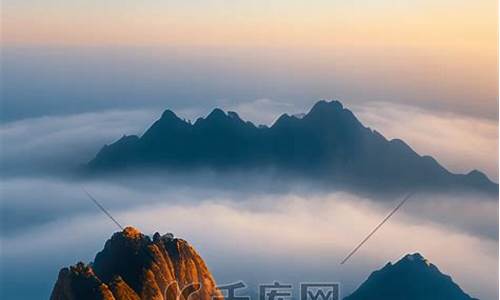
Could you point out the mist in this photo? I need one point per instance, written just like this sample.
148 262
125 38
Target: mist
61 80
52 144
254 237
254 227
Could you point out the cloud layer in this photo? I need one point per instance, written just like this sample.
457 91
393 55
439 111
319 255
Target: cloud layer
61 143
257 238
252 227
458 142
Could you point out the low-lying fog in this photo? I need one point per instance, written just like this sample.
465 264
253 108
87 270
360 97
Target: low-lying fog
249 227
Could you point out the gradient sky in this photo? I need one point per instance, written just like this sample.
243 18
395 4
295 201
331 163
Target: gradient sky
441 55
465 25
438 58
79 74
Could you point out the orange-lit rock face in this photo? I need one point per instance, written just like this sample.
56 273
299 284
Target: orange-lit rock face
132 266
132 233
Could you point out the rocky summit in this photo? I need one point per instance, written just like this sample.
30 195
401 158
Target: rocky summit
412 278
133 266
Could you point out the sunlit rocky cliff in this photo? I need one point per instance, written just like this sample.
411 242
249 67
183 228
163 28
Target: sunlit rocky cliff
132 266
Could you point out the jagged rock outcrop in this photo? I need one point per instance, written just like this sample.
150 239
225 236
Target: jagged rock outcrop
132 266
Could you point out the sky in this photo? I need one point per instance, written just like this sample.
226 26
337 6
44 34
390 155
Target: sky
76 75
421 24
74 56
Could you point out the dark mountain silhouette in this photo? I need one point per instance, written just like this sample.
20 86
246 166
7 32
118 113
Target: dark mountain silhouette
132 266
411 278
328 143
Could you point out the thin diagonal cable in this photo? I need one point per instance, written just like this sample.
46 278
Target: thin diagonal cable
376 228
114 220
103 209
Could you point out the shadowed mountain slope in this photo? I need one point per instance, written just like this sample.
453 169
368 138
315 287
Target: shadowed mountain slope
411 278
328 143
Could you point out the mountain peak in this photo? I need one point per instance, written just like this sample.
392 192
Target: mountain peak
334 116
217 113
324 106
411 278
168 114
218 117
132 233
282 119
132 266
478 176
328 104
328 142
415 258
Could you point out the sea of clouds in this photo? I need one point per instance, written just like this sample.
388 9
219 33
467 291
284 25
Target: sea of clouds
250 227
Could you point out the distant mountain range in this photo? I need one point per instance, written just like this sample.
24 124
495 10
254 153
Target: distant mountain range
328 143
411 278
132 267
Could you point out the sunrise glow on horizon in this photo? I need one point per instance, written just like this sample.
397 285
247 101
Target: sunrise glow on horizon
270 136
414 24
